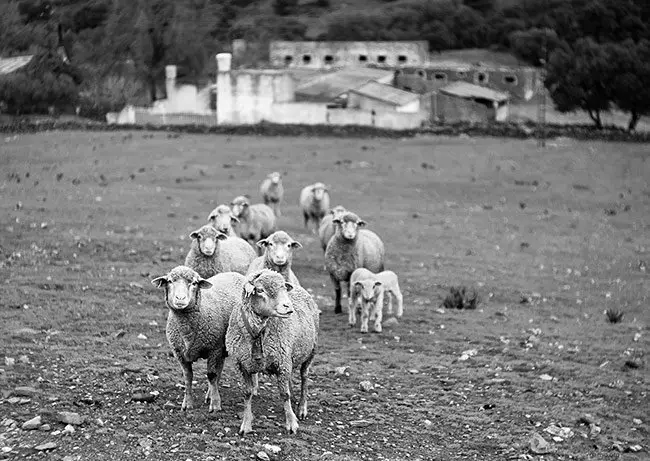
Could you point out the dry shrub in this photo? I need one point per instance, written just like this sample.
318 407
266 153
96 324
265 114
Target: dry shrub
461 298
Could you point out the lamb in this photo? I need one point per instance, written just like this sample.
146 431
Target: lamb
213 252
274 330
256 222
272 191
367 295
199 311
222 219
326 228
278 255
349 249
314 201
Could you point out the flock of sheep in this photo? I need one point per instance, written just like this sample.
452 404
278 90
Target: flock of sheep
236 294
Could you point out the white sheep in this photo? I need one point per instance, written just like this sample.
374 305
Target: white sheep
326 229
274 331
256 221
314 201
273 192
367 291
278 256
222 219
199 311
349 249
213 252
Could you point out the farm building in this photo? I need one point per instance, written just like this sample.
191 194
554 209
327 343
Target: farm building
375 96
519 82
332 86
323 55
466 102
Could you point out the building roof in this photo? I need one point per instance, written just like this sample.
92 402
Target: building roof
330 85
471 91
386 93
8 65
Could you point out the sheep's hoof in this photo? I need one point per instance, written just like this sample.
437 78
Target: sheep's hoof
377 328
292 428
364 331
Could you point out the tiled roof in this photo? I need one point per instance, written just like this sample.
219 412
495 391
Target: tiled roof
329 86
469 90
386 93
8 65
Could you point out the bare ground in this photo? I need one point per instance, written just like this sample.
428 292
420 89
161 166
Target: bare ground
550 239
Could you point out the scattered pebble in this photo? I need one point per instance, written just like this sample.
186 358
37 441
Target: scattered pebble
46 446
274 449
538 445
366 386
546 377
32 424
263 456
68 417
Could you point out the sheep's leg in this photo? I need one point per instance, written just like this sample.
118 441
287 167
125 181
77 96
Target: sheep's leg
352 312
390 303
337 293
365 316
378 310
188 400
306 216
215 367
247 419
400 303
304 377
256 383
284 385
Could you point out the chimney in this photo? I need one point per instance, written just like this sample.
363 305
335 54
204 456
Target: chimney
170 86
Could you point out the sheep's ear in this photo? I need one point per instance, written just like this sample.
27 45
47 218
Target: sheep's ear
262 243
288 286
326 188
337 220
160 282
295 245
211 217
361 223
377 284
247 196
358 284
221 236
194 235
249 290
204 284
234 218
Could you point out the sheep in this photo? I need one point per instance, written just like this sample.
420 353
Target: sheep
278 255
273 192
350 248
326 228
274 330
199 311
314 201
213 252
367 292
222 219
256 222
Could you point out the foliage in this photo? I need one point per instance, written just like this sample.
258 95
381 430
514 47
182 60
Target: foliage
284 7
535 45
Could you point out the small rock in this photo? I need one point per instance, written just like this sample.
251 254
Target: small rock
467 354
68 417
538 445
46 446
68 430
263 456
274 449
414 371
546 377
25 391
634 448
637 421
428 422
32 424
340 370
143 397
391 322
141 336
366 386
45 428
119 334
594 430
360 423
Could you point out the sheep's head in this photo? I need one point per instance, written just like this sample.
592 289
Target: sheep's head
240 205
275 177
337 211
368 289
348 224
207 238
269 294
182 286
318 191
279 248
222 219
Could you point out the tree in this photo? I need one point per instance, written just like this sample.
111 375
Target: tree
535 45
580 78
470 28
438 35
284 7
629 86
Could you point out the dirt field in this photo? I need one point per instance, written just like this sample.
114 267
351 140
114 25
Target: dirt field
550 239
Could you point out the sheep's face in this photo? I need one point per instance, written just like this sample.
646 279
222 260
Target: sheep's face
318 191
275 177
349 225
270 293
207 238
223 220
181 286
279 248
239 206
368 290
337 211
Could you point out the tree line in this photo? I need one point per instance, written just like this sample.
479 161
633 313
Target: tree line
595 51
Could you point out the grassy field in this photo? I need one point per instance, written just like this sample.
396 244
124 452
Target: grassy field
550 239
